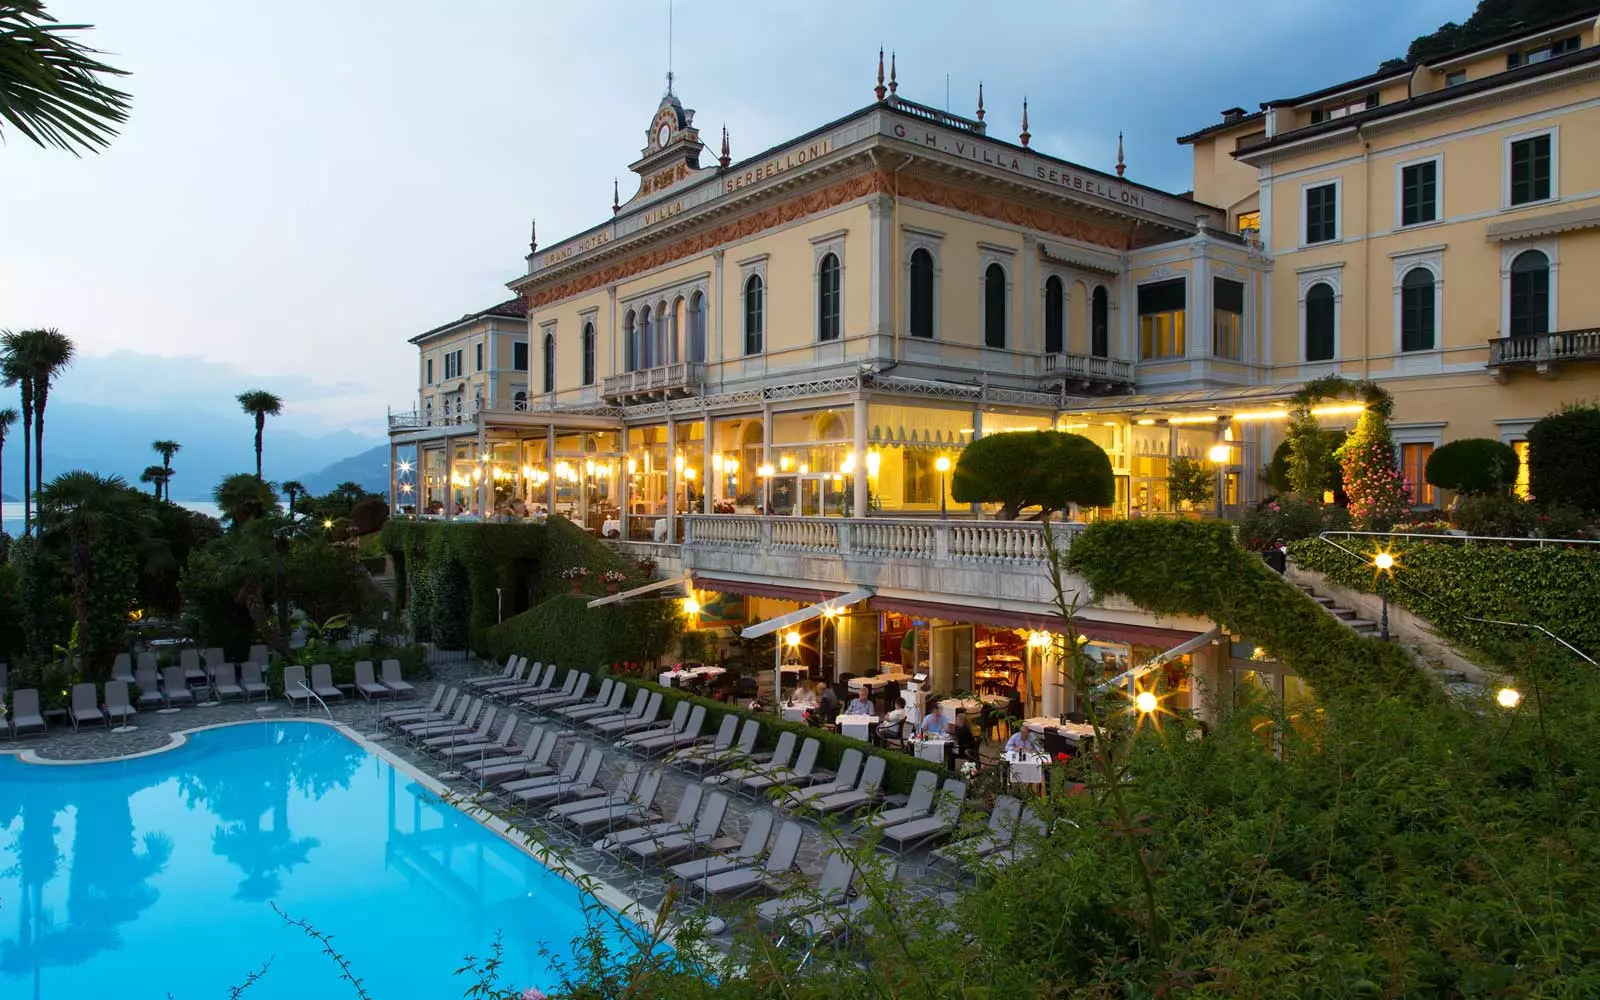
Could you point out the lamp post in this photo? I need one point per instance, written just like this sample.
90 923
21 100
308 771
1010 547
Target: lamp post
1220 454
1385 566
942 463
765 473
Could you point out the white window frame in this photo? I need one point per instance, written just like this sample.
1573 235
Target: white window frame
821 246
1509 252
546 329
1554 132
990 253
914 239
756 265
1333 276
1431 259
1437 159
1431 433
1337 183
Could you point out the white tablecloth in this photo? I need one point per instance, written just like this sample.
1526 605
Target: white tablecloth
611 528
969 705
794 713
1076 730
793 668
878 681
1027 768
659 530
856 726
669 678
932 749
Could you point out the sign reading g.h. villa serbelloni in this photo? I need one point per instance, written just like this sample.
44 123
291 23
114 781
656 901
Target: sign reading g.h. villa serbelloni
1010 162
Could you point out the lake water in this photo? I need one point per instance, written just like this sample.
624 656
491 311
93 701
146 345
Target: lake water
11 514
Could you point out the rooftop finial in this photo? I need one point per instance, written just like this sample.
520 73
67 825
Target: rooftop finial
980 100
616 202
1121 167
725 158
1026 135
894 85
533 237
880 89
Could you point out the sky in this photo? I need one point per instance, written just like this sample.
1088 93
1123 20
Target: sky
302 186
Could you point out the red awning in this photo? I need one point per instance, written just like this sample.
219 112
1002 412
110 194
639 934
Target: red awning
1141 635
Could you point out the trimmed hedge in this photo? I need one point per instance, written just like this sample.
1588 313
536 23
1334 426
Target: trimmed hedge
564 629
1473 465
1564 458
1196 568
1552 586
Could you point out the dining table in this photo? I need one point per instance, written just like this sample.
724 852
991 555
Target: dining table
675 678
931 749
877 681
1071 730
857 727
1026 767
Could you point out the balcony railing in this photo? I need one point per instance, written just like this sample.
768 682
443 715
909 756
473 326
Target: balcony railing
919 539
1088 368
682 379
1543 351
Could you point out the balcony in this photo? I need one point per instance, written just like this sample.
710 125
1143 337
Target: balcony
664 382
1542 351
1087 370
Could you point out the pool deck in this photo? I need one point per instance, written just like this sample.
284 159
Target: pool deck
155 732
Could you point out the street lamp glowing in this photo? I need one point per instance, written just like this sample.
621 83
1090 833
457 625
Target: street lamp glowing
764 471
1039 640
405 466
327 522
942 464
1384 561
691 606
792 638
1508 697
1219 454
1145 702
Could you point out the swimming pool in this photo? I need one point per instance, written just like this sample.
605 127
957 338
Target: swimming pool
156 874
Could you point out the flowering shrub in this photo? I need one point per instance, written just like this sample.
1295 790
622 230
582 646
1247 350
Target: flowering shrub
613 576
1378 493
1287 519
575 573
723 506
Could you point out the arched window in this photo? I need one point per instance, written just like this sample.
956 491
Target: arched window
696 346
665 334
1319 322
754 314
588 354
994 306
1530 293
520 400
630 342
1100 323
680 327
647 339
549 362
829 303
1416 310
921 293
1054 315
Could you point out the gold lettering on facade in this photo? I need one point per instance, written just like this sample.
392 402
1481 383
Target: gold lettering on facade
777 165
589 242
655 215
1009 162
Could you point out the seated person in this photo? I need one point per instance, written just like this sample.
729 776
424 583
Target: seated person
828 703
804 697
891 696
934 722
965 745
862 705
1023 740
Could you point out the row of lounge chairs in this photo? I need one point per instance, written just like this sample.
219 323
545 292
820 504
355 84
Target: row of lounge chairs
367 685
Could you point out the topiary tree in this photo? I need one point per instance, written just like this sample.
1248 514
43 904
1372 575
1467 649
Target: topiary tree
1378 493
1473 466
1189 481
1046 469
452 604
1564 458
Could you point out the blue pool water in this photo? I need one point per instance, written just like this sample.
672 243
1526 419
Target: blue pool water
156 875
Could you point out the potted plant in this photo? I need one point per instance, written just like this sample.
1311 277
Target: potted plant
1189 483
612 578
722 506
576 575
745 503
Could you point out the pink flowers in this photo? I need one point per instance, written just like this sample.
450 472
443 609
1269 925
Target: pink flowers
534 993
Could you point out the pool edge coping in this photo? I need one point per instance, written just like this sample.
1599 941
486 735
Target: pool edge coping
614 899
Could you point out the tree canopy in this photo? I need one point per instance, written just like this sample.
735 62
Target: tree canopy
1046 469
1490 19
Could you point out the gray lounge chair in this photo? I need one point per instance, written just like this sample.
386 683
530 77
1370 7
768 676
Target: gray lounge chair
260 654
462 735
627 804
918 804
484 747
214 658
1004 819
1009 853
149 685
85 706
295 687
575 693
607 702
463 720
175 686
520 677
766 876
540 681
782 754
224 684
122 668
250 680
536 764
781 777
843 781
574 764
641 698
193 672
444 699
25 714
322 682
486 679
831 889
680 718
147 661
116 706
537 696
706 835
749 851
367 685
586 786
904 836
683 735
867 791
682 821
393 680
727 729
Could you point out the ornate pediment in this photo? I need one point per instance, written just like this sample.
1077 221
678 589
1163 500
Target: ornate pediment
672 146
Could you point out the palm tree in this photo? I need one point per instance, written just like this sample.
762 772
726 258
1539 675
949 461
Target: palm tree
84 504
295 488
260 404
8 419
154 474
166 449
33 358
242 497
14 372
51 87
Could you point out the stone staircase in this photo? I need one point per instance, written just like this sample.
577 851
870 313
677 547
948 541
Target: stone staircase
1348 618
1453 680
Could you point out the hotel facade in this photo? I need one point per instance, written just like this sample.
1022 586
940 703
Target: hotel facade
753 369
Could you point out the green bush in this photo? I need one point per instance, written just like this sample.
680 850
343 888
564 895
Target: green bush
1320 454
1045 469
1287 519
1473 466
1564 458
565 630
451 604
1495 515
1190 482
1448 582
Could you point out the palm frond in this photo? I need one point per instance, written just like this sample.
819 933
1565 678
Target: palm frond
51 85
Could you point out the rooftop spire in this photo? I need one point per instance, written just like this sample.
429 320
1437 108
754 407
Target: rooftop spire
1026 135
1120 165
724 159
616 202
980 100
533 237
893 84
880 90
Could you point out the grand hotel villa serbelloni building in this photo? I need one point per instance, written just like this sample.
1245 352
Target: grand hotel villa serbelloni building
756 370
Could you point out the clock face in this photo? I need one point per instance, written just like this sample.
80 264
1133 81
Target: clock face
663 134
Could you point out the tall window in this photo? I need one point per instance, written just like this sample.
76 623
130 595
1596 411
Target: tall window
1419 193
696 346
519 355
994 306
680 328
1100 323
1163 327
1319 322
452 364
1530 293
754 314
549 362
519 401
1416 310
1530 169
588 354
829 318
1521 486
1413 465
1227 318
921 293
477 356
1054 315
1322 213
666 336
630 342
647 338
920 477
430 371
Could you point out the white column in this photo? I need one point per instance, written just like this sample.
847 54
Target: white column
550 467
672 480
491 366
705 462
859 472
1200 323
486 484
880 314
716 309
1027 337
449 479
394 482
1050 686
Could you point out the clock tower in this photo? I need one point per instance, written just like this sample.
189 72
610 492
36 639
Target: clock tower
671 151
